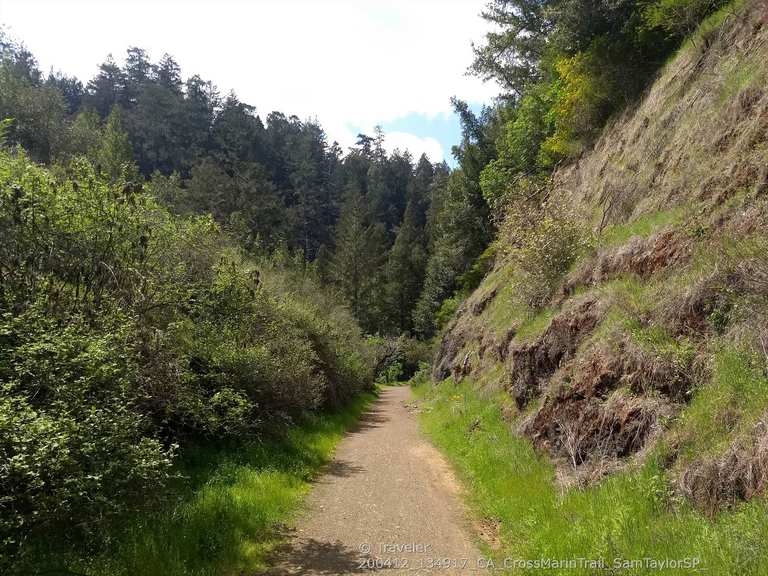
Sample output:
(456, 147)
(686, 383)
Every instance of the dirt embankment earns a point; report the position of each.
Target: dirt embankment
(598, 383)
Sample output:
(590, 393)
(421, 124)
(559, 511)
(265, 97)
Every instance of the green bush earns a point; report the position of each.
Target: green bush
(126, 333)
(448, 308)
(74, 445)
(543, 241)
(679, 18)
(584, 95)
(397, 359)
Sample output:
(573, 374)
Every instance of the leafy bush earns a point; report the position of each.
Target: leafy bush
(448, 308)
(397, 359)
(679, 18)
(74, 445)
(472, 278)
(543, 241)
(583, 98)
(126, 332)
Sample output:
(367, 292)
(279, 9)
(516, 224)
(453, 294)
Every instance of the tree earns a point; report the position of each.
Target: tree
(84, 134)
(387, 180)
(405, 270)
(38, 113)
(19, 60)
(460, 232)
(365, 144)
(114, 156)
(106, 88)
(241, 198)
(458, 221)
(236, 132)
(138, 69)
(158, 129)
(201, 104)
(167, 73)
(512, 53)
(356, 264)
(70, 88)
(312, 205)
(419, 190)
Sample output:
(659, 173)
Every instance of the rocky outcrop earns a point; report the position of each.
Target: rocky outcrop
(452, 342)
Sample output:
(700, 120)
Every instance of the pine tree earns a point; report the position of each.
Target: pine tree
(114, 156)
(419, 188)
(405, 270)
(459, 234)
(137, 72)
(356, 264)
(106, 89)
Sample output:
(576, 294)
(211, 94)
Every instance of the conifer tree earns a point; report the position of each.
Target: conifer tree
(106, 88)
(114, 156)
(405, 270)
(356, 264)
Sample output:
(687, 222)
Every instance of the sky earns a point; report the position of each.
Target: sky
(350, 64)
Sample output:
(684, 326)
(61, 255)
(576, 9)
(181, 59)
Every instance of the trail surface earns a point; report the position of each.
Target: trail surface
(388, 503)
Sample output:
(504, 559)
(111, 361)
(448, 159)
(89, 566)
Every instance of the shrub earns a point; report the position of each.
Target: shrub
(472, 278)
(74, 447)
(397, 359)
(417, 353)
(583, 97)
(126, 331)
(519, 146)
(448, 308)
(543, 241)
(679, 18)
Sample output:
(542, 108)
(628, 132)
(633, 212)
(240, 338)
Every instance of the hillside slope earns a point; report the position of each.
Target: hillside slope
(655, 343)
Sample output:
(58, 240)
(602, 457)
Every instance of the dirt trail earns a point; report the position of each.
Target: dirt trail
(387, 503)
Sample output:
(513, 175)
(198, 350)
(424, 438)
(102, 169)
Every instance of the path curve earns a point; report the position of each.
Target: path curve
(387, 503)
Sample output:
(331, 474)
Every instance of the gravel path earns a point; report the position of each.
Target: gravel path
(387, 503)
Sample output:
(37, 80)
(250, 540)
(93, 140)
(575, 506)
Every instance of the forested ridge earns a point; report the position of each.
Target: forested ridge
(183, 275)
(368, 218)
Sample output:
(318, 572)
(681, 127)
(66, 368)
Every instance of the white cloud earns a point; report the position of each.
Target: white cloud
(359, 62)
(416, 145)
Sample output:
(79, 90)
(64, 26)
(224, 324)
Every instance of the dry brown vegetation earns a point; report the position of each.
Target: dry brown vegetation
(738, 474)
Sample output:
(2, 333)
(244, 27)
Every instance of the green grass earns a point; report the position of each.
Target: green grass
(711, 24)
(657, 342)
(714, 22)
(231, 515)
(630, 515)
(742, 73)
(535, 324)
(727, 407)
(505, 310)
(644, 226)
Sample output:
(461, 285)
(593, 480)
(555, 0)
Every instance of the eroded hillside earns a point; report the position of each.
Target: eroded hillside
(655, 340)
